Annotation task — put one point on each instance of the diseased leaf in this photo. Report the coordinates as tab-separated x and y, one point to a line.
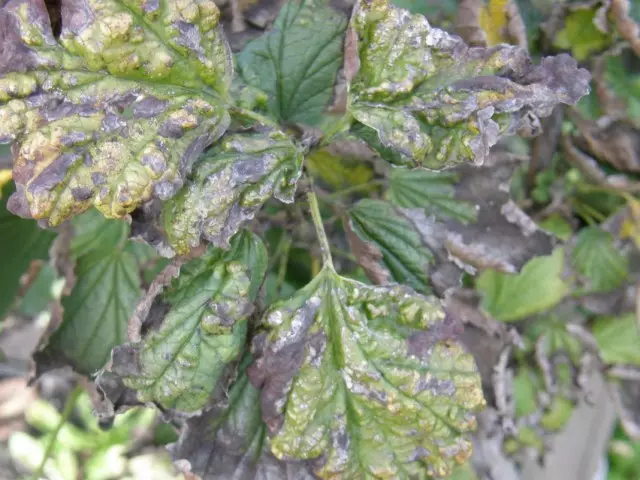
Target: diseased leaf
402	253
503	237
115	110
437	102
618	339
365	381
194	329
251	163
537	287
297	61
595	257
433	191
21	242
105	293
230	441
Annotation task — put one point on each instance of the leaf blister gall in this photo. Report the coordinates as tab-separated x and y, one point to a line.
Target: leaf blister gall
422	97
115	112
360	377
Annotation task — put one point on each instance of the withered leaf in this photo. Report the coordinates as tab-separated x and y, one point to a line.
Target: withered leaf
115	110
229	441
365	381
422	97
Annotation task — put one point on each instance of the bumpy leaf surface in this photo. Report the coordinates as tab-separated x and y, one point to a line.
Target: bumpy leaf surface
402	253
537	287
115	110
433	191
194	329
365	382
229	441
595	257
105	293
435	102
297	61
251	163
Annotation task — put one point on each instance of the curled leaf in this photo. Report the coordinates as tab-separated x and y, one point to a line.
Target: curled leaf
251	163
365	381
502	237
433	101
114	111
195	328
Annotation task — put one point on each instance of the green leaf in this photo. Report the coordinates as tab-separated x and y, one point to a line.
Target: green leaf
618	339
595	256
230	441
297	61
401	253
196	328
21	242
250	164
106	291
433	191
580	34
366	382
114	111
538	287
557	225
436	102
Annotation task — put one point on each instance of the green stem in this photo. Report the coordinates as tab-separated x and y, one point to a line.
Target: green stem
282	268
66	413
322	236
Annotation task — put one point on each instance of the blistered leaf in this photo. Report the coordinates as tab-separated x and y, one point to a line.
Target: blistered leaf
297	61
436	102
251	163
402	255
537	287
230	441
365	381
115	110
618	339
595	256
21	242
194	329
105	293
433	191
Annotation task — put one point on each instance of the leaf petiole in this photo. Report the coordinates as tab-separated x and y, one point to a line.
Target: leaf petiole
322	236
